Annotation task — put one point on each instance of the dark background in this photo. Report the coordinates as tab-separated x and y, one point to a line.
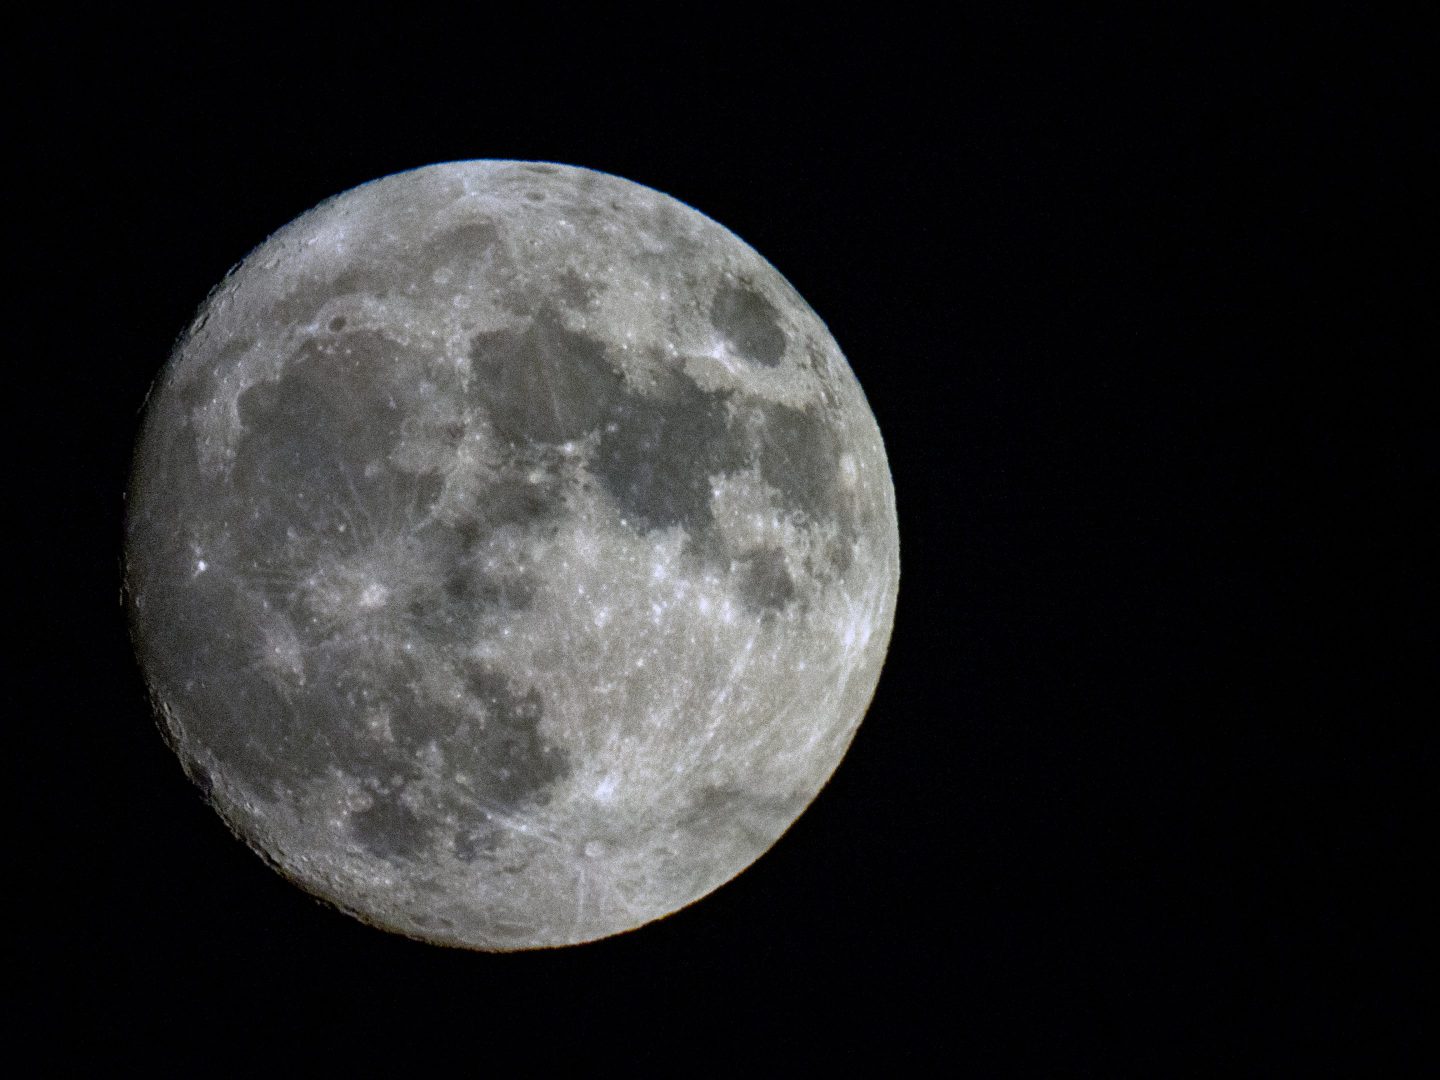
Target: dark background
1131	305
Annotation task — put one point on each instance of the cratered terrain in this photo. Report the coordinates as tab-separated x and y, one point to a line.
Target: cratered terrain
511	553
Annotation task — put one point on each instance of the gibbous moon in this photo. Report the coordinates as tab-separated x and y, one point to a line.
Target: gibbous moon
511	553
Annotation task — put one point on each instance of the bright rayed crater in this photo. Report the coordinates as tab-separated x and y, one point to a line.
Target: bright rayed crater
511	553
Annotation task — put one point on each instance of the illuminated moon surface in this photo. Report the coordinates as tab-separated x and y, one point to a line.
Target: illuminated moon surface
511	553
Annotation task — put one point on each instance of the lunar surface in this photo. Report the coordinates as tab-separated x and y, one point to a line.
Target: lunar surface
511	553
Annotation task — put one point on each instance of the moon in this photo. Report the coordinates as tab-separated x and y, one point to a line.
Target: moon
510	552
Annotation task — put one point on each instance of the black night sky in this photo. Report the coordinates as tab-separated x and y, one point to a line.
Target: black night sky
1129	302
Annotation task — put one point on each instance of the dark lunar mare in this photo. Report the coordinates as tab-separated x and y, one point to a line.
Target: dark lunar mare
312	488
765	583
656	450
749	322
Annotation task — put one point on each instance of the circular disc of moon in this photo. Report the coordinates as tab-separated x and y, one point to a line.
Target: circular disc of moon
511	553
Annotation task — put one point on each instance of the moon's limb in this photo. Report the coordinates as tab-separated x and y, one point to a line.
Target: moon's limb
511	553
